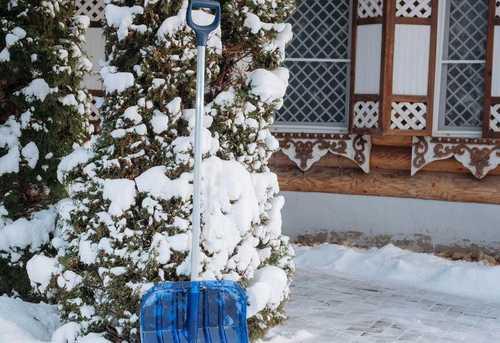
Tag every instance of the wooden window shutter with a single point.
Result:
(491, 117)
(410, 67)
(366, 66)
(404, 34)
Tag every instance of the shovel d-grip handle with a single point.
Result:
(202, 31)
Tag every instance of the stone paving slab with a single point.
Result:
(338, 309)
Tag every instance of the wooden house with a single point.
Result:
(398, 99)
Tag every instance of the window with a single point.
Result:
(461, 64)
(319, 64)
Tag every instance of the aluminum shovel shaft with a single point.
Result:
(196, 219)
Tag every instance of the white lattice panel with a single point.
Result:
(498, 9)
(94, 9)
(408, 116)
(366, 115)
(495, 118)
(414, 8)
(370, 8)
(95, 106)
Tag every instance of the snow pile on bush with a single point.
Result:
(128, 224)
(25, 233)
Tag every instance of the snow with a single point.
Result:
(22, 322)
(121, 193)
(391, 264)
(38, 89)
(40, 269)
(28, 233)
(269, 85)
(31, 154)
(79, 156)
(66, 333)
(87, 252)
(9, 163)
(11, 38)
(340, 294)
(69, 100)
(155, 182)
(284, 33)
(115, 81)
(159, 122)
(267, 288)
(132, 114)
(122, 17)
(347, 302)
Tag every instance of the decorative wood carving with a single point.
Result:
(408, 116)
(307, 149)
(366, 115)
(480, 156)
(414, 8)
(370, 8)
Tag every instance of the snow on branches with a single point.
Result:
(129, 222)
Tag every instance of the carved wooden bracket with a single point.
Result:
(480, 156)
(305, 149)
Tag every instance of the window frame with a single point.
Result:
(327, 128)
(439, 112)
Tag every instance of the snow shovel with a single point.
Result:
(196, 311)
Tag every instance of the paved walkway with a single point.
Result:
(331, 309)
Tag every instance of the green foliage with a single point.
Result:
(39, 40)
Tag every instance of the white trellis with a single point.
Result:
(495, 118)
(366, 114)
(370, 8)
(94, 9)
(498, 9)
(414, 8)
(408, 116)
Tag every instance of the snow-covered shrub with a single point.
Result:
(42, 114)
(129, 224)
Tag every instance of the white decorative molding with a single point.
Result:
(307, 149)
(94, 9)
(366, 114)
(370, 8)
(495, 118)
(480, 156)
(408, 116)
(414, 8)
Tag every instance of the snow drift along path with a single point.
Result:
(393, 265)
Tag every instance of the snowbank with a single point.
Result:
(391, 264)
(25, 322)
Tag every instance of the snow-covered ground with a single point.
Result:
(349, 295)
(389, 295)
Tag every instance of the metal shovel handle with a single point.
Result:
(202, 31)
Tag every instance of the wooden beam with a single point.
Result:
(425, 185)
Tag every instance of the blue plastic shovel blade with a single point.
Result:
(194, 312)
